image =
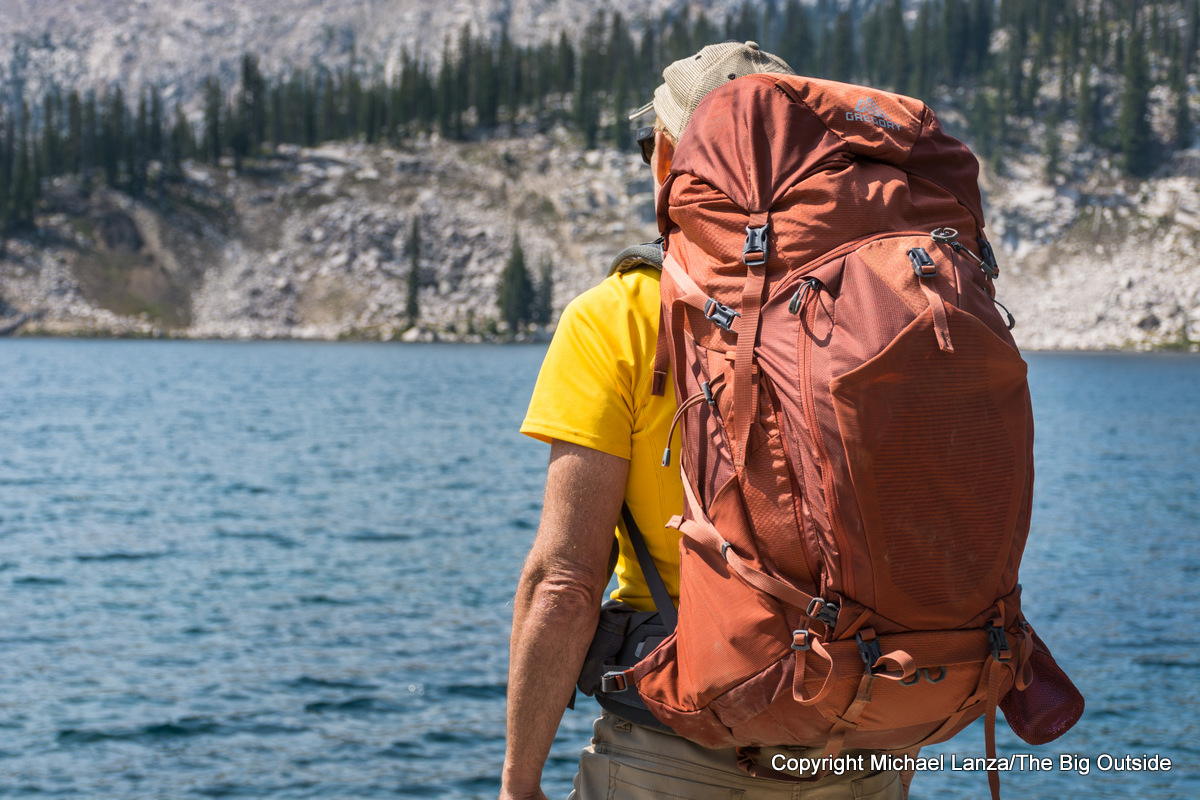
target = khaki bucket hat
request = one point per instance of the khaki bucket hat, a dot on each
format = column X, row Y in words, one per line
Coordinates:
column 688, row 80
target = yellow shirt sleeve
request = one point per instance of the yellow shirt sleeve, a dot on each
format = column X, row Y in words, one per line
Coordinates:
column 593, row 390
column 584, row 391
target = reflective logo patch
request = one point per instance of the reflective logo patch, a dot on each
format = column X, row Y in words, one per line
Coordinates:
column 868, row 110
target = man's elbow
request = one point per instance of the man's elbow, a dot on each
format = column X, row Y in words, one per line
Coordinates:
column 565, row 594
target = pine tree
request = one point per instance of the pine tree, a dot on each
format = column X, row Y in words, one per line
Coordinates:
column 796, row 44
column 1182, row 111
column 181, row 143
column 112, row 137
column 1053, row 147
column 543, row 301
column 844, row 57
column 1133, row 123
column 412, row 310
column 73, row 158
column 252, row 106
column 138, row 149
column 895, row 56
column 516, row 290
column 1086, row 105
column 213, row 139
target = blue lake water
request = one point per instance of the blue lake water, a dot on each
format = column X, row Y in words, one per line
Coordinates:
column 285, row 570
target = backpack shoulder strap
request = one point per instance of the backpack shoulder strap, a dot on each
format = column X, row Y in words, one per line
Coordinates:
column 649, row 254
column 654, row 581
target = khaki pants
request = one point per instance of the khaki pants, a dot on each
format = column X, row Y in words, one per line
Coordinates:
column 632, row 762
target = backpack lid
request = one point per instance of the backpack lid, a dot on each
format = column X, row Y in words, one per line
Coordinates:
column 756, row 137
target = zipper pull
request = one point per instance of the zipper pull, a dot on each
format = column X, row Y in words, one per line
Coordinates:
column 801, row 295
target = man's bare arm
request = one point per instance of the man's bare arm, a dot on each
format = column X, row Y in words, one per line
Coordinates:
column 557, row 605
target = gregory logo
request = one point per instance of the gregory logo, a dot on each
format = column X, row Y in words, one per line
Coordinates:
column 868, row 110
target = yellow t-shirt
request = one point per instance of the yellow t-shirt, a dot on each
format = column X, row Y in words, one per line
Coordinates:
column 594, row 390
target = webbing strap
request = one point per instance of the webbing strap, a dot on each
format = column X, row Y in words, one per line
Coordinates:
column 745, row 393
column 693, row 295
column 704, row 532
column 830, row 677
column 658, row 590
column 759, row 580
column 989, row 727
column 662, row 355
column 941, row 326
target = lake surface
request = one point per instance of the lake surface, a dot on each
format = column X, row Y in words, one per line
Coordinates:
column 285, row 570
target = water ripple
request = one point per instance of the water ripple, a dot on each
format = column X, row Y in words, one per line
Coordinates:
column 285, row 570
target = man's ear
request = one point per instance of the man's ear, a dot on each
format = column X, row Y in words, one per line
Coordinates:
column 664, row 154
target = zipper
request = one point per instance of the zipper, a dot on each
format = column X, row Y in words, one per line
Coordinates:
column 844, row 249
column 797, row 301
column 831, row 504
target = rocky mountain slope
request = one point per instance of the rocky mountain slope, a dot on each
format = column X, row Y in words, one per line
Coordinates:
column 174, row 46
column 315, row 244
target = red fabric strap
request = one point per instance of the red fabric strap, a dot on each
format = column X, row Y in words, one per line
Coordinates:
column 662, row 356
column 941, row 326
column 745, row 393
column 692, row 294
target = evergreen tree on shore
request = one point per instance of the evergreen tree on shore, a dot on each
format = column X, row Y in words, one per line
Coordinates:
column 515, row 298
column 543, row 302
column 412, row 310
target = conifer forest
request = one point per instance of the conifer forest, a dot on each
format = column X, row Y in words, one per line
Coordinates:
column 1092, row 73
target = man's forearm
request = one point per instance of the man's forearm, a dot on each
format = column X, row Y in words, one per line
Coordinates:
column 557, row 604
column 553, row 623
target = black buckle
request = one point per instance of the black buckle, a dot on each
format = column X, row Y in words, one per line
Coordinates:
column 999, row 642
column 922, row 264
column 824, row 612
column 611, row 682
column 802, row 640
column 870, row 652
column 721, row 315
column 989, row 259
column 756, row 244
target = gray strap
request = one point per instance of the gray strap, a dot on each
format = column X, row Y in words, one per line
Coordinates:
column 658, row 589
column 641, row 255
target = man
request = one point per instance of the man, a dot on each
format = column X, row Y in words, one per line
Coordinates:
column 607, row 432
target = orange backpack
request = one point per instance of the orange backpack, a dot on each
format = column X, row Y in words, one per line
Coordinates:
column 858, row 435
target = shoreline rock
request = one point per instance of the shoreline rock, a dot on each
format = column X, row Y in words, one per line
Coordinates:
column 314, row 244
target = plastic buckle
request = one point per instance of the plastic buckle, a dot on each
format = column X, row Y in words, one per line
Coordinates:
column 999, row 642
column 611, row 682
column 801, row 640
column 989, row 259
column 756, row 246
column 824, row 612
column 869, row 650
column 922, row 264
column 721, row 315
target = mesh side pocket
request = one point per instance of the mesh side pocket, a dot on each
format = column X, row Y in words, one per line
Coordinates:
column 1047, row 708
